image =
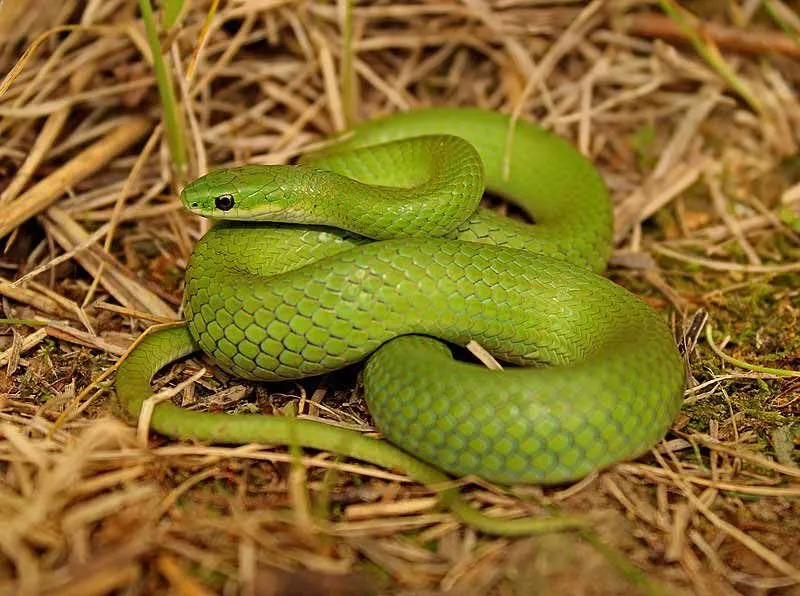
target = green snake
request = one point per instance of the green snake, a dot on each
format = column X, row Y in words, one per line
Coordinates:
column 376, row 247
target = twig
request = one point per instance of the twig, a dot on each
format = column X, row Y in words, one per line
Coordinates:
column 83, row 165
column 747, row 41
column 725, row 265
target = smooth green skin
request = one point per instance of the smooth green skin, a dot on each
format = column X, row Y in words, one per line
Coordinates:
column 283, row 301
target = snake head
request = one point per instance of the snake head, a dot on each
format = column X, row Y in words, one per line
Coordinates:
column 252, row 192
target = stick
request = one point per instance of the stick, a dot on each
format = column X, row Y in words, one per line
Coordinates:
column 87, row 162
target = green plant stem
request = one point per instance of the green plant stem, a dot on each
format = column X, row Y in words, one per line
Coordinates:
column 781, row 372
column 686, row 21
column 28, row 322
column 348, row 81
column 775, row 11
column 166, row 90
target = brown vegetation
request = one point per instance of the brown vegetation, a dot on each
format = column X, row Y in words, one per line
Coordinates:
column 694, row 122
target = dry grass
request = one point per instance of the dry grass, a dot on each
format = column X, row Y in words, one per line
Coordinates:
column 698, row 145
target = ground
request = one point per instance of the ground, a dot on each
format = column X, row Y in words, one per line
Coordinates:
column 690, row 113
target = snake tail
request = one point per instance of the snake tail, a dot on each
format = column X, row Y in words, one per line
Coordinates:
column 158, row 349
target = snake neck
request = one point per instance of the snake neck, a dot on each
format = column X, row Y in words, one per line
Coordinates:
column 425, row 186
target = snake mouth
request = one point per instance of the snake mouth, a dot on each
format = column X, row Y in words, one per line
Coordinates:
column 194, row 201
column 255, row 213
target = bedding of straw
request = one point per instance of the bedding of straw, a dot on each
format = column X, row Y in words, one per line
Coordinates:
column 694, row 121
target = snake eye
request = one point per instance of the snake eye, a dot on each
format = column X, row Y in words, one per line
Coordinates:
column 224, row 202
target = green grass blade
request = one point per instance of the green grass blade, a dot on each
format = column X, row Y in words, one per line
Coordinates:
column 173, row 123
column 172, row 11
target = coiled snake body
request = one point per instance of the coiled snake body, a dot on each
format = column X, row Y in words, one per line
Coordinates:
column 599, row 377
